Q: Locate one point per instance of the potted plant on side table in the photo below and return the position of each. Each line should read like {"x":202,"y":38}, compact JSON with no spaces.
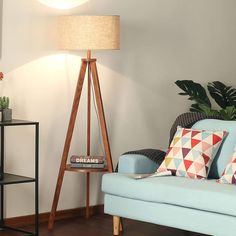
{"x":6,"y":113}
{"x":4,"y":108}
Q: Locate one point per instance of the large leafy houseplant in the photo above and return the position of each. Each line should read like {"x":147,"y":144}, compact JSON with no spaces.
{"x":224,"y":96}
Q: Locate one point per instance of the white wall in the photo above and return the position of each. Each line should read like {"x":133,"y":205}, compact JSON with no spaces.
{"x":161,"y":41}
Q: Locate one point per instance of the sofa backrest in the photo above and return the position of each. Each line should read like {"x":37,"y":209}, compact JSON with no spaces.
{"x":224,"y":154}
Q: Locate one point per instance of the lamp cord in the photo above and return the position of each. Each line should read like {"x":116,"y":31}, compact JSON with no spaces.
{"x":96,"y":111}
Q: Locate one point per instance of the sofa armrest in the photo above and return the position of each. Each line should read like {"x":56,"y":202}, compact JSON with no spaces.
{"x":136,"y":164}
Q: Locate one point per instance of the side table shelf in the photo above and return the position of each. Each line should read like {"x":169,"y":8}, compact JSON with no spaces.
{"x":15,"y":179}
{"x":10,"y":178}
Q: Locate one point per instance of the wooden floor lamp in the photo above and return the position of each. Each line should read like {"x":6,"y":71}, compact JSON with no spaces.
{"x":86,"y":33}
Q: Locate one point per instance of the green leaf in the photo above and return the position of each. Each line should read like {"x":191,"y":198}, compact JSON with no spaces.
{"x":195,"y":108}
{"x":208,"y":111}
{"x":229,"y":113}
{"x":4,"y":102}
{"x":195,"y":91}
{"x":225,"y":96}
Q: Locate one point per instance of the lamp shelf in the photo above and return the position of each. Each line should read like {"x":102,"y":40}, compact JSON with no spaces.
{"x":85,"y":170}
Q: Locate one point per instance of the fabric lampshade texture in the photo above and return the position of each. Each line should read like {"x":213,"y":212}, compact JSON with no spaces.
{"x":89,"y":32}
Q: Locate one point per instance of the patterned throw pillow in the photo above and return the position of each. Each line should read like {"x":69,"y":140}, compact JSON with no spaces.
{"x":191,"y":152}
{"x":229,"y":174}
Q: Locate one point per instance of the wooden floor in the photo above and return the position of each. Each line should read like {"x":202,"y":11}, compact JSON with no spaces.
{"x":101,"y":225}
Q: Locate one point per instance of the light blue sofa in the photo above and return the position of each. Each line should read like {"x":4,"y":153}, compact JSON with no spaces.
{"x":203,"y":206}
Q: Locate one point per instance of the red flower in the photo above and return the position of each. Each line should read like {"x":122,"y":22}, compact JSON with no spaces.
{"x":1,"y":76}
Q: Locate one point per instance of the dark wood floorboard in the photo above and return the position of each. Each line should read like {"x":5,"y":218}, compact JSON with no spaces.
{"x":101,"y":225}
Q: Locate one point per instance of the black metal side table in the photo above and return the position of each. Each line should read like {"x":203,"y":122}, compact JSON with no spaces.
{"x":16,"y":179}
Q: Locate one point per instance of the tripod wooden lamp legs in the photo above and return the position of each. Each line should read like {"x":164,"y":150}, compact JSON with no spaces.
{"x":89,"y":65}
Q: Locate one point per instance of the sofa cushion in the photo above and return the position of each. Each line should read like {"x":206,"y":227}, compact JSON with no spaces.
{"x":207,"y":195}
{"x":136,"y":164}
{"x":226,"y":150}
{"x":191,"y":152}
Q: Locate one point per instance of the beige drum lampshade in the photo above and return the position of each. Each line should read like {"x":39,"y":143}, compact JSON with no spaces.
{"x":89,"y":32}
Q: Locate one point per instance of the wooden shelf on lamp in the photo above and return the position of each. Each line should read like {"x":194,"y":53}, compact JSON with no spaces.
{"x":85,"y":170}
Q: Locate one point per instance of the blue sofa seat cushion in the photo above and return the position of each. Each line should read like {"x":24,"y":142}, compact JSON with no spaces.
{"x":206,"y":195}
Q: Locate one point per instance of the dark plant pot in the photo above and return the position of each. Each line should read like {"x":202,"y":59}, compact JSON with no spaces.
{"x":7,"y":114}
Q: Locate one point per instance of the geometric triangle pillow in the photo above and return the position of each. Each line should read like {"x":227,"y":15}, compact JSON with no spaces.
{"x":191,"y":152}
{"x":229,"y":174}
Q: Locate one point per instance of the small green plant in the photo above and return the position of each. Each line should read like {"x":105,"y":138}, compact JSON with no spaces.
{"x":224,"y":96}
{"x":4,"y":103}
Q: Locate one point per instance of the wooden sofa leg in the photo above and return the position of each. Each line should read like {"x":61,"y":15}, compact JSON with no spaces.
{"x":116,"y":225}
{"x":121,"y":226}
